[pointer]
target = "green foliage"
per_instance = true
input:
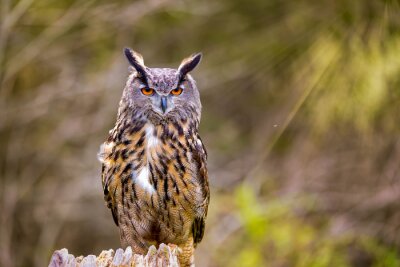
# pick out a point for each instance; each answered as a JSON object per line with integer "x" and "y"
{"x": 272, "y": 235}
{"x": 356, "y": 80}
{"x": 388, "y": 257}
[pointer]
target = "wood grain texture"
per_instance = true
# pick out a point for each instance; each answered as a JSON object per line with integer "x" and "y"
{"x": 165, "y": 256}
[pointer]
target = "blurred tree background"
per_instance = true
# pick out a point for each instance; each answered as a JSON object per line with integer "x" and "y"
{"x": 301, "y": 110}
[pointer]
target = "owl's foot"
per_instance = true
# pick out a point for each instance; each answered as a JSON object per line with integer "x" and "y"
{"x": 186, "y": 257}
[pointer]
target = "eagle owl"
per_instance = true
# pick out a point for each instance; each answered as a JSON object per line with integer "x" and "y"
{"x": 154, "y": 172}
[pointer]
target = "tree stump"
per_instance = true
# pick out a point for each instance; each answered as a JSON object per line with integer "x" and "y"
{"x": 165, "y": 256}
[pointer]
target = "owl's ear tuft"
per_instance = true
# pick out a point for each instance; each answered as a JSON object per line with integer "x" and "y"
{"x": 136, "y": 60}
{"x": 189, "y": 63}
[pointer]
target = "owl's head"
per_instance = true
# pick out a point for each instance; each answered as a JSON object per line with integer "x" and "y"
{"x": 162, "y": 94}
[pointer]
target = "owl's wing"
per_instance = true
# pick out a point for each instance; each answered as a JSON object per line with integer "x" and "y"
{"x": 107, "y": 179}
{"x": 108, "y": 196}
{"x": 200, "y": 156}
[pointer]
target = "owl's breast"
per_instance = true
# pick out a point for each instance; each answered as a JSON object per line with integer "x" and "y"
{"x": 156, "y": 183}
{"x": 168, "y": 162}
{"x": 159, "y": 180}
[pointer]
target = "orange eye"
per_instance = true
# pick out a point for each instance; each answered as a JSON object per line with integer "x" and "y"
{"x": 177, "y": 91}
{"x": 147, "y": 91}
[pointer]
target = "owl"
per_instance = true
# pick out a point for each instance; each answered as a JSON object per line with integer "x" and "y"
{"x": 154, "y": 172}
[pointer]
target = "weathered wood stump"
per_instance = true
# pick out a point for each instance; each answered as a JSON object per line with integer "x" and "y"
{"x": 165, "y": 256}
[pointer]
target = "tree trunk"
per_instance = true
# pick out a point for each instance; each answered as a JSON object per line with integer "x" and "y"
{"x": 165, "y": 256}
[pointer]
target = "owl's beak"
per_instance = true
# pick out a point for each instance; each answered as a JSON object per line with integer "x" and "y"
{"x": 163, "y": 103}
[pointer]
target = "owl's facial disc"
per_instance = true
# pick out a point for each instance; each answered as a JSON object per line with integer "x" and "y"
{"x": 161, "y": 103}
{"x": 164, "y": 94}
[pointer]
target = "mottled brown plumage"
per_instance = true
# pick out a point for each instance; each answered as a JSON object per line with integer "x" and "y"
{"x": 154, "y": 171}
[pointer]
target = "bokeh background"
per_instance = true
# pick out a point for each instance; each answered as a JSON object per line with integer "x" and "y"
{"x": 301, "y": 113}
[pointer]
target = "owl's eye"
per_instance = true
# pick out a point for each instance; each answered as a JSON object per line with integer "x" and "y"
{"x": 147, "y": 91}
{"x": 177, "y": 91}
